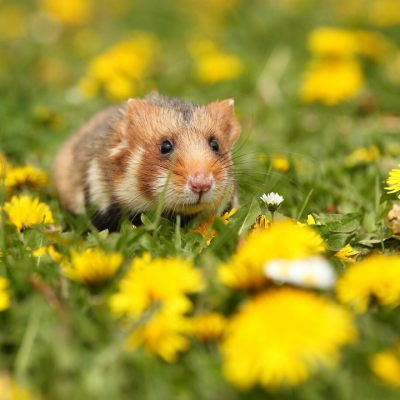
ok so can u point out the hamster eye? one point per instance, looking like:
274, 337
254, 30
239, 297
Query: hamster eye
214, 145
166, 147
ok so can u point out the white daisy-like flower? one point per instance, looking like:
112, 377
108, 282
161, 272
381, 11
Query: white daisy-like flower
272, 200
313, 272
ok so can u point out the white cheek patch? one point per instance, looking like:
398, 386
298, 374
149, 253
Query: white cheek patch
116, 150
160, 182
97, 189
127, 192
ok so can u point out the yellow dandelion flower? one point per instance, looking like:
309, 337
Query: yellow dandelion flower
213, 64
50, 251
119, 88
292, 333
373, 45
285, 241
262, 223
280, 163
334, 42
28, 176
347, 254
386, 366
219, 67
384, 12
362, 155
23, 211
393, 181
89, 86
4, 295
149, 281
331, 81
121, 68
209, 326
164, 334
310, 221
377, 276
205, 227
93, 266
68, 12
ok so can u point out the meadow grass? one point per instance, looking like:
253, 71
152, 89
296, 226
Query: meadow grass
316, 91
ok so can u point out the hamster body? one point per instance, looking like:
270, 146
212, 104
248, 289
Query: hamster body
119, 161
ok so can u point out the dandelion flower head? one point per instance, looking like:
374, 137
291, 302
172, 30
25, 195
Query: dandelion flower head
150, 281
363, 155
262, 223
164, 334
50, 251
286, 241
4, 295
120, 67
18, 177
310, 221
209, 326
213, 64
331, 81
68, 12
280, 163
346, 254
334, 42
25, 211
386, 366
376, 276
384, 13
292, 333
394, 181
205, 227
93, 266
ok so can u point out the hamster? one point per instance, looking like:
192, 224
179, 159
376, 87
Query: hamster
118, 163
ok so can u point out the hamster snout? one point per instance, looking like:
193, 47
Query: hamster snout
199, 183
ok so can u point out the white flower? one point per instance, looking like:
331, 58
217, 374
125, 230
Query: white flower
313, 272
272, 200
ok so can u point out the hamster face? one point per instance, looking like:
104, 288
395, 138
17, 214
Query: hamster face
181, 149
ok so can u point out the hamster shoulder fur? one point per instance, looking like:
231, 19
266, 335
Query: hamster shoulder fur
118, 163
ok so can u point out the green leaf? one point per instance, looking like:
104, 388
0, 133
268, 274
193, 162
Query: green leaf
245, 217
323, 230
145, 219
337, 241
342, 223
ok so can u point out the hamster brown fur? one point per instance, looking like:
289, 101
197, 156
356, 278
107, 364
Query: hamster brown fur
118, 162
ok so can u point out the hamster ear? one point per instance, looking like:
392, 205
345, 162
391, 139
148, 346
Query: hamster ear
224, 112
137, 114
137, 107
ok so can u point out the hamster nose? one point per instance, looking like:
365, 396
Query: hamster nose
199, 184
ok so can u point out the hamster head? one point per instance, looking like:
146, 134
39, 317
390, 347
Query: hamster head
182, 145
